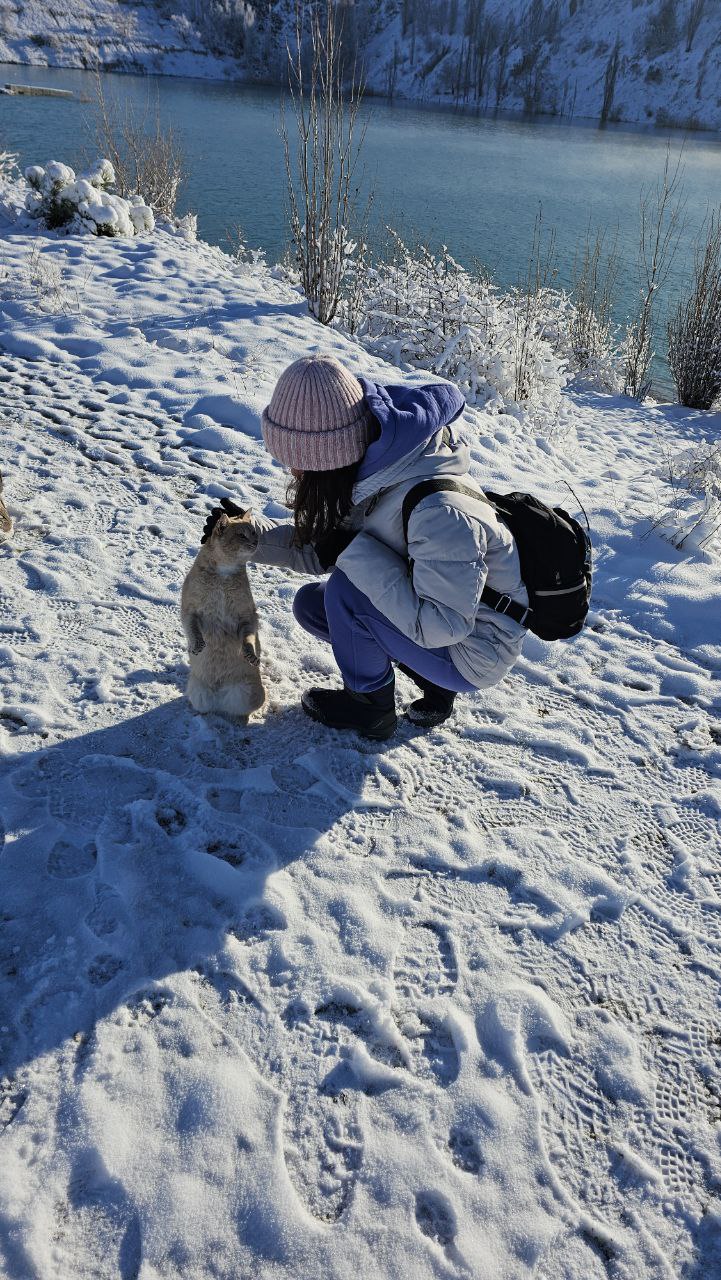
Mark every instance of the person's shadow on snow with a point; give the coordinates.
(131, 852)
(130, 855)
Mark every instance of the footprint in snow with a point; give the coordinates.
(464, 1149)
(104, 918)
(172, 820)
(68, 859)
(300, 1053)
(146, 1005)
(579, 1254)
(95, 787)
(604, 1151)
(426, 970)
(435, 1218)
(103, 969)
(229, 851)
(97, 1231)
(257, 924)
(322, 1133)
(276, 808)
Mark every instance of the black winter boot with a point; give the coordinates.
(373, 715)
(434, 707)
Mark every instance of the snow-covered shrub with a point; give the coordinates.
(693, 521)
(593, 353)
(84, 203)
(694, 331)
(186, 227)
(240, 251)
(11, 188)
(143, 150)
(426, 310)
(8, 165)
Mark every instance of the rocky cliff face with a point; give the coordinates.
(106, 33)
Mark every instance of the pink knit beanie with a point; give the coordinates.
(317, 419)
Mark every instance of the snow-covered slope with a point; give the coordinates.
(279, 1003)
(517, 55)
(111, 34)
(524, 55)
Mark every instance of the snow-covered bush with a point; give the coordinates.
(240, 251)
(594, 353)
(693, 520)
(11, 188)
(8, 165)
(694, 330)
(186, 227)
(426, 310)
(84, 203)
(591, 350)
(143, 150)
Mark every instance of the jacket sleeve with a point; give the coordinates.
(436, 604)
(276, 546)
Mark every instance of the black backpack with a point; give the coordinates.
(555, 554)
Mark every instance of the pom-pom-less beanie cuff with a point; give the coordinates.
(317, 419)
(316, 450)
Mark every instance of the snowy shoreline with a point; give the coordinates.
(277, 1003)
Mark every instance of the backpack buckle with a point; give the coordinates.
(504, 604)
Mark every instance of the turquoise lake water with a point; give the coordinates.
(472, 183)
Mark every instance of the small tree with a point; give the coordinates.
(142, 149)
(591, 328)
(661, 223)
(609, 81)
(502, 54)
(694, 18)
(694, 331)
(320, 172)
(531, 304)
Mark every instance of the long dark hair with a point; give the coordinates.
(320, 500)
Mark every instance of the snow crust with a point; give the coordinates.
(277, 1002)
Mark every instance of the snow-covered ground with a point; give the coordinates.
(277, 1002)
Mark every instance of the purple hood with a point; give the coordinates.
(408, 417)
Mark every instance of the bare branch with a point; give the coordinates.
(320, 167)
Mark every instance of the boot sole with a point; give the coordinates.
(425, 720)
(379, 732)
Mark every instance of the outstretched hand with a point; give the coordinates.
(228, 508)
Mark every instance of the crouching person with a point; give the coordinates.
(400, 591)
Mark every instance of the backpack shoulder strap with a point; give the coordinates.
(494, 599)
(444, 484)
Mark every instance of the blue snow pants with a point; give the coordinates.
(364, 642)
